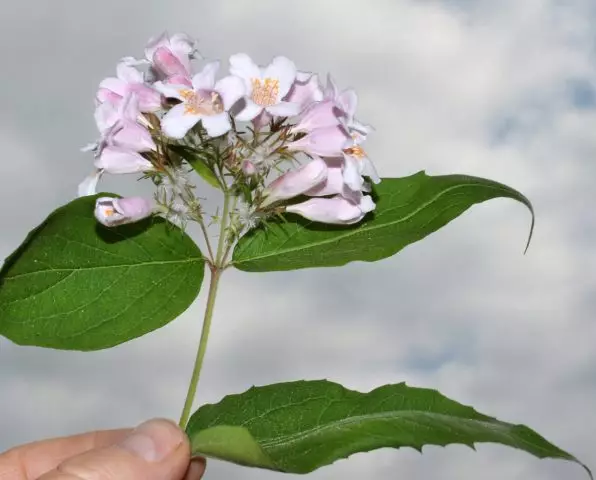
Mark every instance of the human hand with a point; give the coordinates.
(156, 450)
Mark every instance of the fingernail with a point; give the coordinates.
(196, 469)
(153, 440)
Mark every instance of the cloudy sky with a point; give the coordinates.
(501, 89)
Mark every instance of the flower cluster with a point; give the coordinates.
(271, 138)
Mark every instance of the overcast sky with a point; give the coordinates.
(501, 89)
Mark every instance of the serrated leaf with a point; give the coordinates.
(197, 163)
(298, 427)
(76, 285)
(408, 209)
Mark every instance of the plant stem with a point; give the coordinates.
(222, 230)
(216, 270)
(194, 379)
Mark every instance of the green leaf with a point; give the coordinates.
(197, 163)
(76, 285)
(408, 209)
(298, 427)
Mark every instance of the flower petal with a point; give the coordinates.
(230, 89)
(168, 63)
(134, 208)
(149, 99)
(296, 182)
(284, 70)
(351, 172)
(284, 109)
(111, 211)
(305, 90)
(115, 85)
(128, 74)
(242, 66)
(326, 142)
(170, 90)
(177, 122)
(216, 125)
(318, 115)
(89, 184)
(250, 111)
(205, 79)
(335, 210)
(133, 136)
(118, 160)
(348, 101)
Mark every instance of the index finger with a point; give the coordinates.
(29, 462)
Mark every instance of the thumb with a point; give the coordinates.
(156, 450)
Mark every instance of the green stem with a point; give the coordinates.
(216, 271)
(222, 230)
(194, 379)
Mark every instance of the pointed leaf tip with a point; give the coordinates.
(298, 427)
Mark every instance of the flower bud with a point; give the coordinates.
(248, 168)
(119, 211)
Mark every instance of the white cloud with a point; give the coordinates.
(475, 87)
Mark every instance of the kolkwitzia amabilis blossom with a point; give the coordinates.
(129, 80)
(208, 101)
(170, 57)
(304, 140)
(265, 87)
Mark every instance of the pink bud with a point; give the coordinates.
(118, 211)
(335, 210)
(248, 168)
(296, 182)
(167, 63)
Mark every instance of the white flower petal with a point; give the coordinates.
(177, 122)
(241, 65)
(231, 89)
(89, 185)
(284, 109)
(170, 91)
(250, 111)
(284, 70)
(205, 80)
(128, 73)
(216, 125)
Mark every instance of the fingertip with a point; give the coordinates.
(155, 440)
(196, 469)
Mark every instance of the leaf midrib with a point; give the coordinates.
(367, 228)
(285, 440)
(103, 267)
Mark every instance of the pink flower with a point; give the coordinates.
(324, 142)
(119, 126)
(265, 87)
(295, 182)
(129, 80)
(319, 115)
(207, 101)
(305, 90)
(334, 210)
(118, 211)
(170, 56)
